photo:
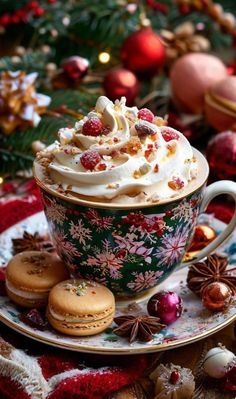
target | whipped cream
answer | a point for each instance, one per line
(137, 157)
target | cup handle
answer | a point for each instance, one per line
(215, 189)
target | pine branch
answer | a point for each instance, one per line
(15, 150)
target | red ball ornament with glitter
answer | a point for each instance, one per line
(166, 305)
(120, 82)
(75, 67)
(217, 296)
(143, 52)
(221, 156)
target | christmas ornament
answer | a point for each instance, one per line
(213, 269)
(143, 52)
(20, 105)
(217, 296)
(202, 236)
(221, 156)
(172, 382)
(137, 327)
(183, 40)
(230, 379)
(120, 82)
(32, 242)
(217, 361)
(220, 104)
(75, 67)
(166, 305)
(191, 76)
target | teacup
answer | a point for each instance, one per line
(130, 249)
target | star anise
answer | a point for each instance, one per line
(137, 327)
(32, 242)
(214, 268)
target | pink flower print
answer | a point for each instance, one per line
(65, 248)
(134, 247)
(144, 280)
(107, 262)
(172, 248)
(101, 222)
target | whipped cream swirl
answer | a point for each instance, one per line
(136, 156)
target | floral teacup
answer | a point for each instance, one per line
(130, 250)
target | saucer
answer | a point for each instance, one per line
(195, 323)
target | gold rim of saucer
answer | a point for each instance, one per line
(114, 206)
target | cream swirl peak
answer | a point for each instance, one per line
(118, 151)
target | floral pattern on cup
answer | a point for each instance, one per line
(128, 251)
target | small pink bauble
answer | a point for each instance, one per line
(166, 305)
(220, 104)
(191, 76)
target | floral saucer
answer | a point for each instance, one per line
(195, 323)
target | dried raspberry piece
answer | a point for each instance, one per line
(169, 134)
(34, 318)
(90, 159)
(146, 115)
(144, 129)
(102, 166)
(92, 127)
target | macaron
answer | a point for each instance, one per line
(30, 275)
(80, 307)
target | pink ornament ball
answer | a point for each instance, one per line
(166, 305)
(220, 104)
(191, 77)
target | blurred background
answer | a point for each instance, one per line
(175, 57)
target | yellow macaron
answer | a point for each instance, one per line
(30, 275)
(80, 307)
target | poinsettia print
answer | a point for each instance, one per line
(107, 261)
(101, 222)
(64, 246)
(131, 243)
(55, 212)
(143, 281)
(80, 232)
(172, 246)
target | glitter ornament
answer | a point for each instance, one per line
(230, 379)
(143, 52)
(166, 305)
(217, 361)
(20, 105)
(217, 296)
(75, 67)
(120, 82)
(221, 156)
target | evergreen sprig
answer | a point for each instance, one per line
(15, 150)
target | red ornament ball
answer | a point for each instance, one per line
(217, 296)
(120, 82)
(75, 67)
(166, 305)
(221, 156)
(143, 52)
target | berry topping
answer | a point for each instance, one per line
(175, 377)
(143, 129)
(146, 115)
(92, 127)
(169, 134)
(90, 159)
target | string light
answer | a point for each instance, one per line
(104, 57)
(1, 180)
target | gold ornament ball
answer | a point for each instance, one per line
(217, 296)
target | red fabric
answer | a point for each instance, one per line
(10, 389)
